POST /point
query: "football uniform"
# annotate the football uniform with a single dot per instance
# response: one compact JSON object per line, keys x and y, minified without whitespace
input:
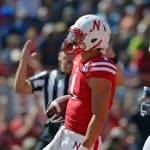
{"x":99,"y":67}
{"x":78,"y":112}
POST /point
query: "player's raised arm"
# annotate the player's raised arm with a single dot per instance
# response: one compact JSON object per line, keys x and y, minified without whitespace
{"x":100,"y":106}
{"x":22,"y":85}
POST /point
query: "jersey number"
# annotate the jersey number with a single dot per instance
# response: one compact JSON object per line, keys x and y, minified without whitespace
{"x":73,"y":81}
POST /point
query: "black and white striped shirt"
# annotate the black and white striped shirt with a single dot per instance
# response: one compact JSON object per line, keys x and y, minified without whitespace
{"x":53,"y":84}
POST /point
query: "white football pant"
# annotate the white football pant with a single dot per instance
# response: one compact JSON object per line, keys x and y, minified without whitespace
{"x":68,"y":140}
{"x":147,"y":144}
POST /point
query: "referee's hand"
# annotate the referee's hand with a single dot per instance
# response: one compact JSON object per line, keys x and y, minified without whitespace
{"x":28,"y":49}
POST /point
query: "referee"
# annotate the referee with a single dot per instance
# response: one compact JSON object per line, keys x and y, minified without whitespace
{"x":53,"y":84}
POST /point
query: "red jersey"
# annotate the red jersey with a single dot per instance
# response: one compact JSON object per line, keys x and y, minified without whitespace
{"x":78,"y":112}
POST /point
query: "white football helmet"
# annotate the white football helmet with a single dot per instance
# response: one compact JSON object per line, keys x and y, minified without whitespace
{"x":88,"y":33}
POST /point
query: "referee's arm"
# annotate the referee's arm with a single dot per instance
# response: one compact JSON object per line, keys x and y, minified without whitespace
{"x":23,"y":85}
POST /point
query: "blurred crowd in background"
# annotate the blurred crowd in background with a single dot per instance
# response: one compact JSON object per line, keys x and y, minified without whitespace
{"x":46,"y":22}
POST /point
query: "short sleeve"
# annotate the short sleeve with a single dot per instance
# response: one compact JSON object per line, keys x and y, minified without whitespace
{"x":103,"y":69}
{"x":38,"y":81}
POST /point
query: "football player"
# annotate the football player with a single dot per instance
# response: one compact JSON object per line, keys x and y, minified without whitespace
{"x":91,"y":88}
{"x":145,"y":110}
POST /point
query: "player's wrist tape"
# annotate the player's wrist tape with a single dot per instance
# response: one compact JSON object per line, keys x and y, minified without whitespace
{"x":57,"y":106}
{"x":83,"y":148}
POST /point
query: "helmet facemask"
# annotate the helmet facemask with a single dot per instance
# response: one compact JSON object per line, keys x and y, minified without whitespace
{"x":74,"y":41}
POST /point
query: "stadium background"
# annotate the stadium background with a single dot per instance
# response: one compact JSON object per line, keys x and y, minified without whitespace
{"x":46,"y":23}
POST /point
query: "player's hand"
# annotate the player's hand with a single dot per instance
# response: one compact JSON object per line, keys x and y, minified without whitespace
{"x":56,"y":119}
{"x":28,"y":49}
{"x":145,"y":108}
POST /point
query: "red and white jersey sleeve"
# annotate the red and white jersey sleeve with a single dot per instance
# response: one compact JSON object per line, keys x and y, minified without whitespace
{"x":102,"y":69}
